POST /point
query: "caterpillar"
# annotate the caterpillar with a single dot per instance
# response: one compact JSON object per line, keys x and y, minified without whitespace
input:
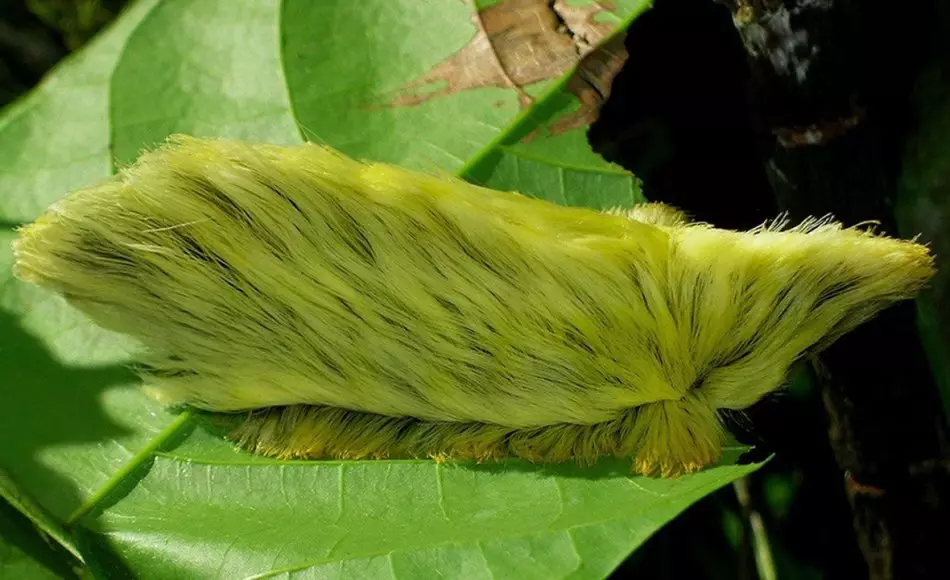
{"x":342,"y":309}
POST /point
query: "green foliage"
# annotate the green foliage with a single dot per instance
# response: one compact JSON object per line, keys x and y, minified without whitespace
{"x":25,"y":553}
{"x":140,"y":488}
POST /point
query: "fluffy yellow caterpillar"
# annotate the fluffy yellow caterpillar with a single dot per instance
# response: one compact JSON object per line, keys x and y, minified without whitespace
{"x":366,"y":311}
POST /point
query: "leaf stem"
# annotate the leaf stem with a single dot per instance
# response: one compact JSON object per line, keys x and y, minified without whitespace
{"x":166,"y":434}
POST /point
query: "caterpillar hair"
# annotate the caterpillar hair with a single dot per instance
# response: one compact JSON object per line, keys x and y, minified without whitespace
{"x":359,"y":310}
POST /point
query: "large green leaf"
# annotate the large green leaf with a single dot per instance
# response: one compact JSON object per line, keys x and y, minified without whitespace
{"x":408,"y":519}
{"x":488,"y":95}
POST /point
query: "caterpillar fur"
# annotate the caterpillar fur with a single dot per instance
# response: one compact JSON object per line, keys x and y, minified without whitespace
{"x":361,"y":310}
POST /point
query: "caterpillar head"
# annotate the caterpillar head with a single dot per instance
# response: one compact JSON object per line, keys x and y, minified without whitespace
{"x":745,"y":306}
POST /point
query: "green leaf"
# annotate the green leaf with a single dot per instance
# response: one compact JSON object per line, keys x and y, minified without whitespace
{"x":431,"y":85}
{"x":57,"y":138}
{"x":25,"y":507}
{"x":25,"y":553}
{"x":406,"y":519}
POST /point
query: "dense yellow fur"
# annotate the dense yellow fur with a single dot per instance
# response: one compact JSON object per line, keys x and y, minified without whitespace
{"x":381,"y":312}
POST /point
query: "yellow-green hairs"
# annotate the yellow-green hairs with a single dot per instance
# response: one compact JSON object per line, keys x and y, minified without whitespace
{"x":363,"y":310}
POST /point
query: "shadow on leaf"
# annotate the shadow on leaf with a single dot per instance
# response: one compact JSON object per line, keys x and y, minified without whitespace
{"x":47,"y":404}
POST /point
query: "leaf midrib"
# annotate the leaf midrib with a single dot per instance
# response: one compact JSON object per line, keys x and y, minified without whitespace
{"x":178,"y":425}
